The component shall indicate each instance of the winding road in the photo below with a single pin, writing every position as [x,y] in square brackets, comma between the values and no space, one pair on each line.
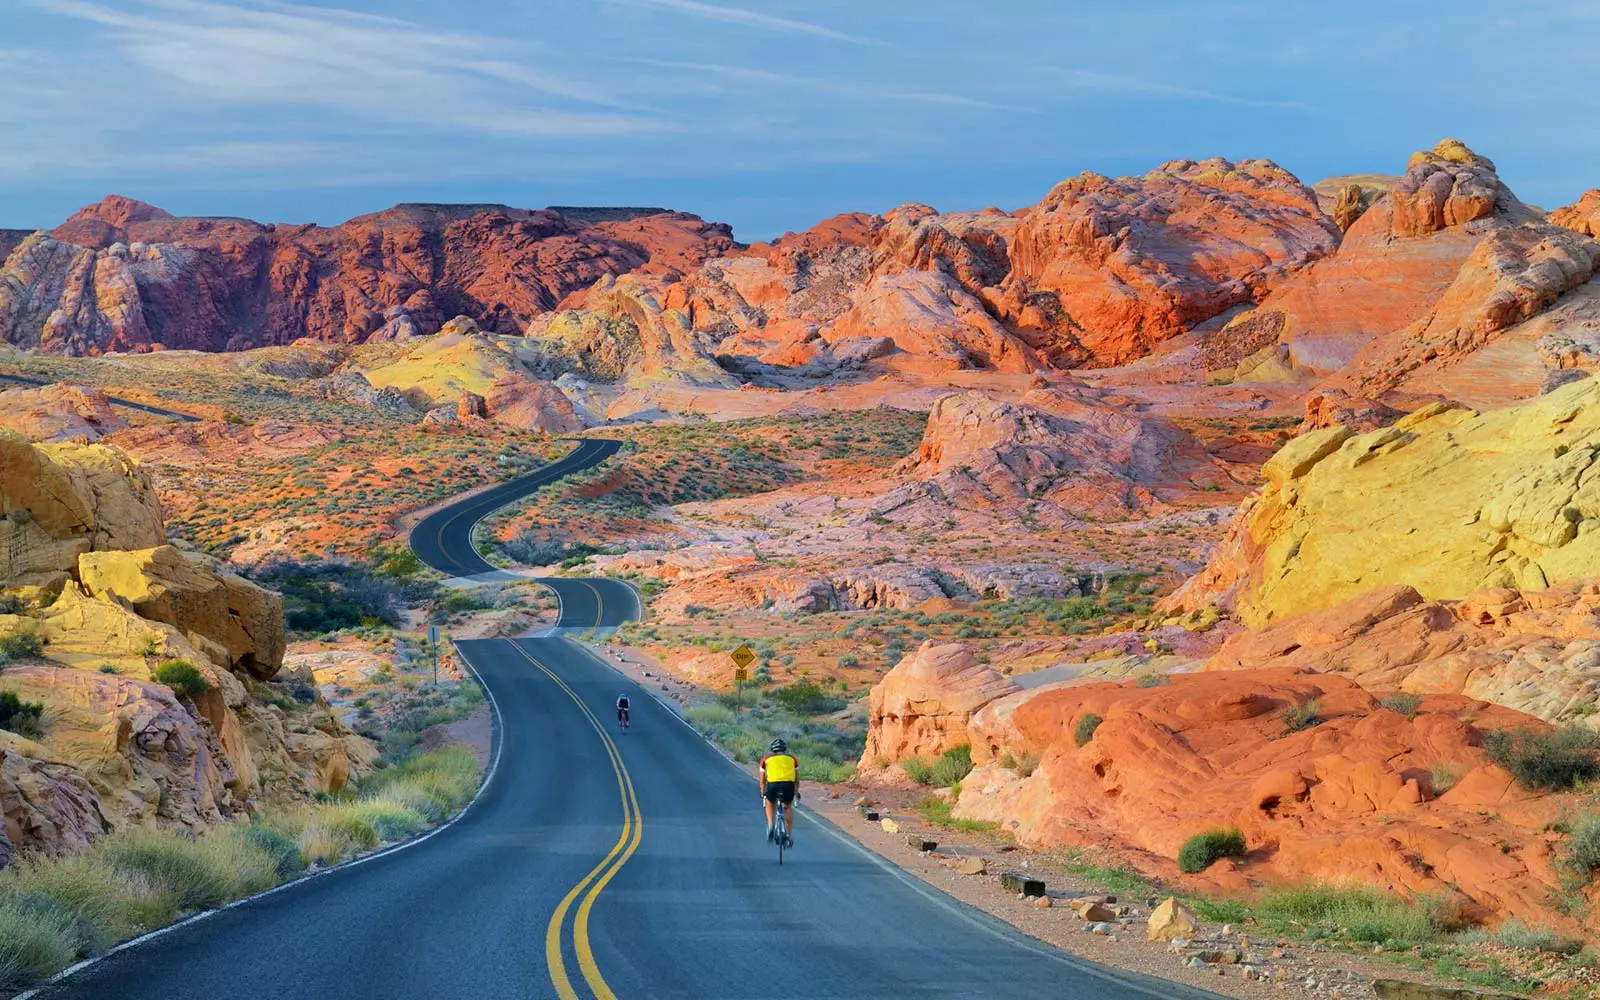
[188,418]
[598,864]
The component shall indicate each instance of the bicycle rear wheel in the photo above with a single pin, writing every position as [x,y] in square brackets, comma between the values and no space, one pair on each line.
[782,831]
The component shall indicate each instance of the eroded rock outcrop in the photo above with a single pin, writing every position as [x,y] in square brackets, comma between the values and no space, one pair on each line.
[82,539]
[58,413]
[1444,500]
[923,705]
[1445,266]
[121,275]
[1406,804]
[1114,266]
[1066,445]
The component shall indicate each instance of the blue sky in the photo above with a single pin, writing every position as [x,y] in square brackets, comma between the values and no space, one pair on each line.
[769,114]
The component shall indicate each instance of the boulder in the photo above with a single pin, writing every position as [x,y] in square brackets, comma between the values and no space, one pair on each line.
[218,610]
[922,706]
[1171,920]
[58,501]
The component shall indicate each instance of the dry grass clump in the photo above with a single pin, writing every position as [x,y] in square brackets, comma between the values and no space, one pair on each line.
[54,911]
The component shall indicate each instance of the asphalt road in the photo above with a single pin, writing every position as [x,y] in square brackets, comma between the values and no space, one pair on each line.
[130,404]
[603,864]
[443,539]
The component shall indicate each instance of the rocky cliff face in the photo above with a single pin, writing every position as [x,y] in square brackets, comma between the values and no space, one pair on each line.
[123,276]
[82,541]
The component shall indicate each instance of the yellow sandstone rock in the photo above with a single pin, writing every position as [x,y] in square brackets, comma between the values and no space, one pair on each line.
[1446,500]
[191,592]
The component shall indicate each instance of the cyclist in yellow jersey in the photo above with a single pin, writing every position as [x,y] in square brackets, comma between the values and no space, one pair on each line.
[780,782]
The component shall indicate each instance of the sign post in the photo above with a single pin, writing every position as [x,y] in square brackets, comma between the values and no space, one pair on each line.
[433,647]
[742,658]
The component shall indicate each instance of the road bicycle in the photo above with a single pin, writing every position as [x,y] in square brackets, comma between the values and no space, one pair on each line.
[780,828]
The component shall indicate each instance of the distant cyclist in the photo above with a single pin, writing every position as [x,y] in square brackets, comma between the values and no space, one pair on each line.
[780,782]
[622,710]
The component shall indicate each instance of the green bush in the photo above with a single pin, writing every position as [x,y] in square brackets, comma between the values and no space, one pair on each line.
[1546,760]
[21,643]
[1152,680]
[1581,855]
[1299,717]
[1083,732]
[1204,849]
[918,770]
[936,810]
[282,848]
[953,765]
[196,874]
[806,697]
[1526,937]
[705,716]
[1405,704]
[183,677]
[25,718]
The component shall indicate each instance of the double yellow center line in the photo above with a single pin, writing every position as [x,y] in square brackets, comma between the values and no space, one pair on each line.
[595,882]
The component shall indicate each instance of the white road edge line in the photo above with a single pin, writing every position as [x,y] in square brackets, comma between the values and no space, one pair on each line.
[494,767]
[964,911]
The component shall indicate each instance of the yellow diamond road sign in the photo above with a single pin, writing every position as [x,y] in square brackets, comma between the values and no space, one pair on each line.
[743,657]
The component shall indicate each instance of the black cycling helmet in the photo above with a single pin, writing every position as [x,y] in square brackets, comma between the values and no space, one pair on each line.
[778,746]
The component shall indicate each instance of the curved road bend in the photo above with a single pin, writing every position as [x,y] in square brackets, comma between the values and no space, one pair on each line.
[130,404]
[603,865]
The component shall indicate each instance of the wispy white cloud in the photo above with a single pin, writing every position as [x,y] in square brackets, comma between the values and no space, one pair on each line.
[1111,83]
[788,83]
[382,68]
[753,19]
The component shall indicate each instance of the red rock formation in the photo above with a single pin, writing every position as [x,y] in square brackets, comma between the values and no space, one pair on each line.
[1581,217]
[1359,795]
[122,275]
[1104,269]
[1441,267]
[923,705]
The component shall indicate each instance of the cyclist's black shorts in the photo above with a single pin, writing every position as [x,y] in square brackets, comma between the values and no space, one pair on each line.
[780,791]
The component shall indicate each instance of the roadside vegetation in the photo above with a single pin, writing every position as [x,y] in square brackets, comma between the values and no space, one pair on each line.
[825,730]
[55,911]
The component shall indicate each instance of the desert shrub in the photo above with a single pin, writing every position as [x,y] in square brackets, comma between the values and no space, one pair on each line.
[1299,717]
[1361,913]
[13,604]
[454,601]
[935,809]
[196,874]
[1445,777]
[282,848]
[918,770]
[1404,704]
[20,643]
[1083,731]
[535,547]
[1546,760]
[806,697]
[1528,937]
[1204,849]
[183,677]
[399,563]
[25,718]
[1152,680]
[328,595]
[745,697]
[1024,765]
[1581,855]
[36,940]
[705,716]
[953,765]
